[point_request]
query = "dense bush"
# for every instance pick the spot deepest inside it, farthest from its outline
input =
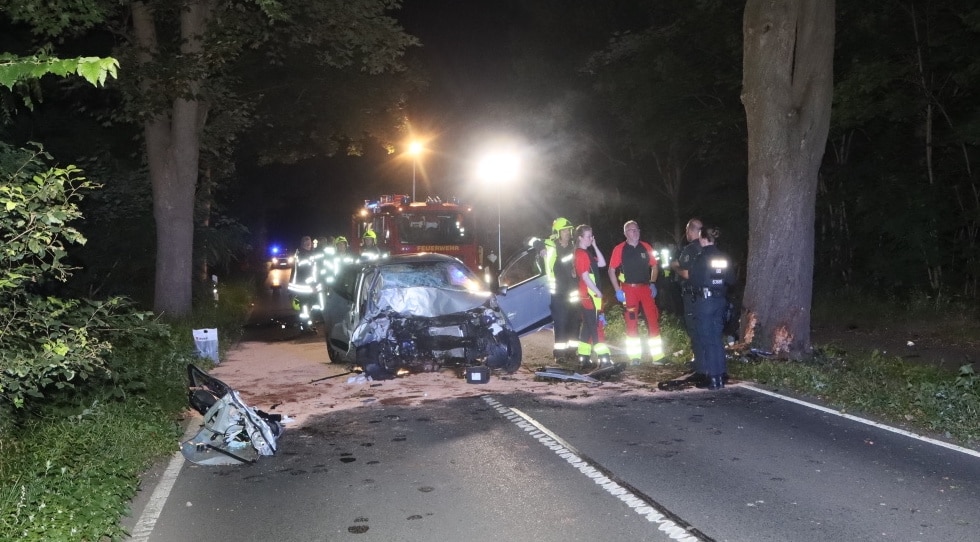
(49, 343)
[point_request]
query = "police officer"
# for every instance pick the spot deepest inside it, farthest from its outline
(711, 275)
(591, 335)
(559, 264)
(633, 271)
(682, 266)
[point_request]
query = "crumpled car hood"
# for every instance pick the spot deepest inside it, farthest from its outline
(426, 301)
(418, 302)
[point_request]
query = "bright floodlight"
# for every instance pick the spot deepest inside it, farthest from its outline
(494, 169)
(415, 148)
(498, 167)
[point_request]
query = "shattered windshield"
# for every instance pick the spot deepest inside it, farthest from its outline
(442, 275)
(429, 228)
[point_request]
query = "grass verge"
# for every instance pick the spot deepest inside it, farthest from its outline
(70, 466)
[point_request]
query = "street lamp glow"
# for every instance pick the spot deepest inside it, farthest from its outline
(415, 148)
(497, 169)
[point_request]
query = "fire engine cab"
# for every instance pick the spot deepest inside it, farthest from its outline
(402, 226)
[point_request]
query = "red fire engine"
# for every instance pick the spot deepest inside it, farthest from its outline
(405, 227)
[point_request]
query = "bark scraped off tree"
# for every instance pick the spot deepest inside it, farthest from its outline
(787, 87)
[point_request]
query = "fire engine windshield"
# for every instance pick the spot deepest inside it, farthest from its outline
(445, 228)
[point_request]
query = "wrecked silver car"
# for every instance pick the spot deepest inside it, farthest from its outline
(416, 313)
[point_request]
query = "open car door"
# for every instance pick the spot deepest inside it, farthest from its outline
(522, 292)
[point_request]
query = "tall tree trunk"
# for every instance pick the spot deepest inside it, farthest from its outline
(787, 89)
(173, 148)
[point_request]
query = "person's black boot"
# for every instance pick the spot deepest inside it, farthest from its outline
(715, 383)
(586, 362)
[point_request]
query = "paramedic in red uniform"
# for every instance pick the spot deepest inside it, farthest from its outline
(633, 271)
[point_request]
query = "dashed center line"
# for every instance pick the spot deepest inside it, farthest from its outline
(667, 522)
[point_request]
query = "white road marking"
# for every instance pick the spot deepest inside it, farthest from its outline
(154, 506)
(903, 432)
(673, 526)
(148, 519)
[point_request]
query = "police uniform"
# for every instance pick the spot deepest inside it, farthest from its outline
(635, 265)
(710, 277)
(685, 261)
(563, 286)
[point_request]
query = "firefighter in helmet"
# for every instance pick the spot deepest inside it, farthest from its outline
(341, 246)
(302, 281)
(559, 264)
(369, 245)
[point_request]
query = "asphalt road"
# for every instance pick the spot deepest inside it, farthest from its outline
(733, 465)
(737, 465)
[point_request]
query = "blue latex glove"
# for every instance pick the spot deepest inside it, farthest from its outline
(621, 296)
(602, 319)
(653, 290)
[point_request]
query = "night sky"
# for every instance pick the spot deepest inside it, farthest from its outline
(467, 55)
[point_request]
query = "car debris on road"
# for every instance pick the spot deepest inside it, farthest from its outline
(232, 432)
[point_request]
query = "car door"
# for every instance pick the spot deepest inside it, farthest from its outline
(362, 298)
(523, 292)
(339, 304)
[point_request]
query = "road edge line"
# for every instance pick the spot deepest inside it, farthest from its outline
(865, 421)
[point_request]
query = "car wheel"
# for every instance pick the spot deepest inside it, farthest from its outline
(506, 353)
(334, 353)
(369, 358)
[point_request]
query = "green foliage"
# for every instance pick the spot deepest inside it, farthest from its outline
(69, 472)
(48, 342)
(897, 209)
(17, 73)
(95, 70)
(54, 19)
(72, 479)
(70, 469)
(672, 87)
(37, 205)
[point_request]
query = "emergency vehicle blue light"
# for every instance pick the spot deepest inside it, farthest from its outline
(274, 250)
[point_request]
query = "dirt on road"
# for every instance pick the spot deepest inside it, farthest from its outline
(293, 377)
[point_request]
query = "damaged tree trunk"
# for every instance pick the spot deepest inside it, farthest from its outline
(787, 88)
